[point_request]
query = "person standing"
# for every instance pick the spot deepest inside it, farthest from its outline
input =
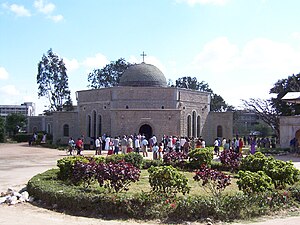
(116, 145)
(98, 146)
(144, 147)
(79, 146)
(216, 146)
(252, 145)
(124, 143)
(137, 144)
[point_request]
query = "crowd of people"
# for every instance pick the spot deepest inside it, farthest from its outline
(140, 144)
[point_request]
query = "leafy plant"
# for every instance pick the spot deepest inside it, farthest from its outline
(66, 166)
(84, 173)
(200, 156)
(254, 182)
(281, 173)
(231, 159)
(147, 163)
(168, 180)
(254, 162)
(134, 158)
(174, 158)
(216, 181)
(116, 176)
(115, 158)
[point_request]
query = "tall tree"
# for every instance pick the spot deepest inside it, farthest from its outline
(52, 80)
(15, 122)
(218, 104)
(266, 112)
(281, 87)
(108, 76)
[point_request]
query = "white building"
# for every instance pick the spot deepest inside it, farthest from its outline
(26, 109)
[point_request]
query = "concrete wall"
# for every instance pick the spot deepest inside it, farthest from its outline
(289, 125)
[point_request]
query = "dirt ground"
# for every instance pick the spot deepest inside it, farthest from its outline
(19, 162)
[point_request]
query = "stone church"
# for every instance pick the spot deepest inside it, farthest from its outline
(142, 103)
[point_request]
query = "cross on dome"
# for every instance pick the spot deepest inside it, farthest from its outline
(143, 56)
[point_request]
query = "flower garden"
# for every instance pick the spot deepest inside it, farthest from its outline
(180, 187)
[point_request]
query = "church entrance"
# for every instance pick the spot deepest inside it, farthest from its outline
(146, 130)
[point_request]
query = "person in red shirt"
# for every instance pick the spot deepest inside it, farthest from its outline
(79, 146)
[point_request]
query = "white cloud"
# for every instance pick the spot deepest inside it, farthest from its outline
(44, 7)
(3, 73)
(295, 35)
(98, 61)
(205, 2)
(56, 18)
(71, 65)
(9, 90)
(19, 10)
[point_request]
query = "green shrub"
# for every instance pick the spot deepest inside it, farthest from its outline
(200, 156)
(281, 173)
(66, 166)
(254, 162)
(134, 158)
(168, 180)
(115, 158)
(153, 205)
(253, 182)
(21, 137)
(147, 163)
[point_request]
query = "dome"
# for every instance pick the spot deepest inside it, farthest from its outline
(143, 74)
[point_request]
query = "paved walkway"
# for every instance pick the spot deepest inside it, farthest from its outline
(19, 162)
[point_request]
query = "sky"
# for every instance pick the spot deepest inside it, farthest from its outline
(240, 48)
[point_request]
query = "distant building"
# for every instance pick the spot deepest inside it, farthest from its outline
(142, 103)
(26, 109)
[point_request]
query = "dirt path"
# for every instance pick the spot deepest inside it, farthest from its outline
(18, 163)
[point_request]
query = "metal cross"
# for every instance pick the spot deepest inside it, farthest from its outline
(143, 56)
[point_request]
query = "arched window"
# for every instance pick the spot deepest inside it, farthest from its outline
(89, 122)
(49, 128)
(189, 121)
(194, 125)
(99, 125)
(94, 124)
(66, 130)
(219, 131)
(198, 125)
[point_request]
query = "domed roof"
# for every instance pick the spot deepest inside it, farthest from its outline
(140, 75)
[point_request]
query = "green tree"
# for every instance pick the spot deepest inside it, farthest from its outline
(15, 122)
(266, 112)
(2, 130)
(108, 76)
(281, 87)
(52, 80)
(218, 104)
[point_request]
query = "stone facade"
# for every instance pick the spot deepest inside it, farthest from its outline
(289, 128)
(156, 109)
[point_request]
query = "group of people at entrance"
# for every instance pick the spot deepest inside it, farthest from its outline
(140, 144)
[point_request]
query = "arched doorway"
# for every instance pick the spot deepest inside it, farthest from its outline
(146, 130)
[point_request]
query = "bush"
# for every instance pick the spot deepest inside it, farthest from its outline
(281, 173)
(254, 162)
(115, 158)
(66, 166)
(215, 180)
(147, 163)
(116, 176)
(176, 159)
(21, 137)
(231, 159)
(153, 205)
(200, 156)
(253, 182)
(134, 158)
(168, 180)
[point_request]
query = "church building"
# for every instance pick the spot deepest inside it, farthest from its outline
(142, 103)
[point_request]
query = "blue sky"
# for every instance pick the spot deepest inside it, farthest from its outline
(239, 47)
